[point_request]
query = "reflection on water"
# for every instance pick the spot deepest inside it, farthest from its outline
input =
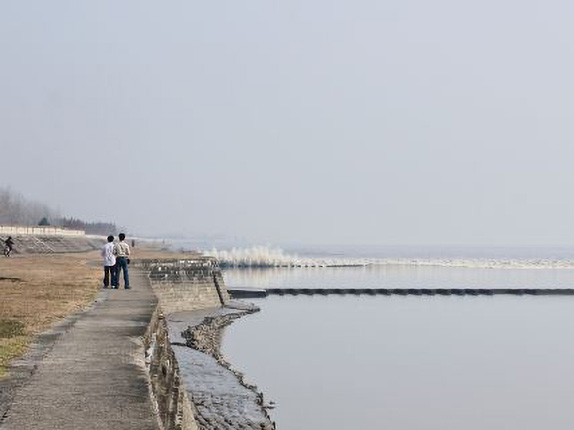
(399, 276)
(410, 362)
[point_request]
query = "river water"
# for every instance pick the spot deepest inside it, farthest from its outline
(409, 362)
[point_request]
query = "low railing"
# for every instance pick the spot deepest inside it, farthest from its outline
(16, 230)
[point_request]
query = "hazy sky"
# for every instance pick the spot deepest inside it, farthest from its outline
(318, 121)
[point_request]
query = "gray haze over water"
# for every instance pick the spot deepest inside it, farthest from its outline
(302, 121)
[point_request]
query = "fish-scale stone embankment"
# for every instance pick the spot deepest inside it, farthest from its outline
(221, 397)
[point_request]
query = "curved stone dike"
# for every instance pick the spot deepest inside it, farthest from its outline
(256, 293)
(220, 396)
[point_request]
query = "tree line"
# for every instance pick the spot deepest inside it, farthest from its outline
(98, 227)
(15, 209)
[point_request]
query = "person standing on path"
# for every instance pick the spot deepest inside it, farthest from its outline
(122, 253)
(109, 263)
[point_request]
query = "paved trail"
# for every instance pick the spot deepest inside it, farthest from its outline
(92, 375)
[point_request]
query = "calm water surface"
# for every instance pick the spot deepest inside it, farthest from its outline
(389, 362)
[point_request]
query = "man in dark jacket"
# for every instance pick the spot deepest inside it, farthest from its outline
(8, 245)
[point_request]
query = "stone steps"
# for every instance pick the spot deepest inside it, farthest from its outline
(32, 244)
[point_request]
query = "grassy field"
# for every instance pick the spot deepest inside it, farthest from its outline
(38, 290)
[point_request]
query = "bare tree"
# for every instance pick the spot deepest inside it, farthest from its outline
(16, 210)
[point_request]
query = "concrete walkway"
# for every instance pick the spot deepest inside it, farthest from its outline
(92, 376)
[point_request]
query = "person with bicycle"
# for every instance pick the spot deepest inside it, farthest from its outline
(8, 245)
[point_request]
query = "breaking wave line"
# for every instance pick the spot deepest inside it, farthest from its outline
(266, 256)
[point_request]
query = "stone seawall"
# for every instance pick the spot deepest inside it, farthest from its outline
(173, 407)
(186, 284)
(193, 387)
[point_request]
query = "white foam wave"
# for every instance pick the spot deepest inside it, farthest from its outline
(265, 256)
(480, 263)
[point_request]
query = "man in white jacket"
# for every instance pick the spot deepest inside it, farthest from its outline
(109, 263)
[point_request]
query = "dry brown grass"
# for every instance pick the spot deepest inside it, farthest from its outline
(36, 291)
